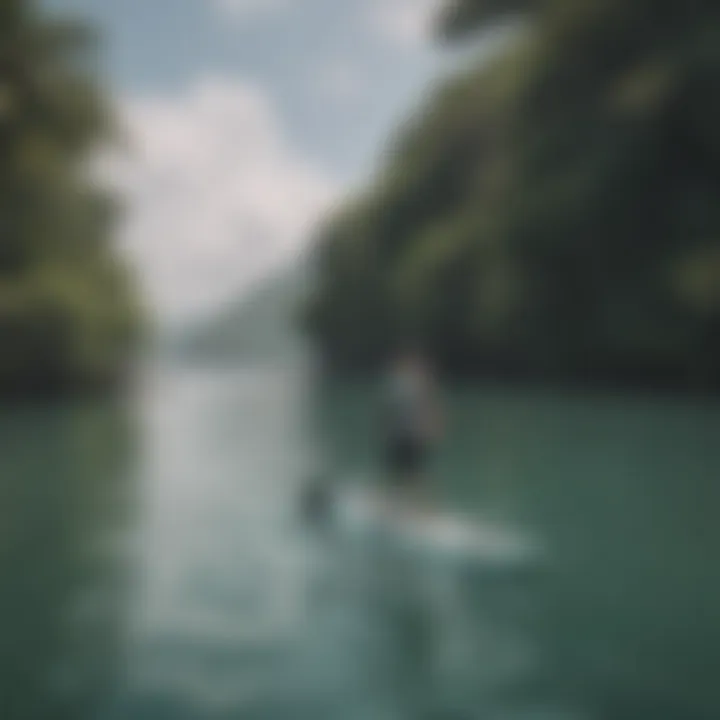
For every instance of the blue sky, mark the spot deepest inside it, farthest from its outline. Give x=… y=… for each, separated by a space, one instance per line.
x=248 y=119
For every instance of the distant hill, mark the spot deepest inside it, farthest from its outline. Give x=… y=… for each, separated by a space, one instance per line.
x=257 y=328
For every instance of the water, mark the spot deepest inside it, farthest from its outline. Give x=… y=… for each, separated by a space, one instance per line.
x=153 y=566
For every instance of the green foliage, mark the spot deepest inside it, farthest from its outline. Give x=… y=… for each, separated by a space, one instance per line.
x=554 y=212
x=67 y=313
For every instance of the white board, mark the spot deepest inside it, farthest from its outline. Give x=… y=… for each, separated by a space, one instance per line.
x=437 y=533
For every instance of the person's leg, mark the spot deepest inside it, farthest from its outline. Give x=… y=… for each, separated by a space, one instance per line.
x=407 y=480
x=416 y=491
x=393 y=477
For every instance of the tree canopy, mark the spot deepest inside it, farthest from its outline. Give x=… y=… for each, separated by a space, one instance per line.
x=553 y=211
x=67 y=310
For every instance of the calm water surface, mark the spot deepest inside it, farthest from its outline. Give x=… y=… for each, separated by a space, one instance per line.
x=153 y=567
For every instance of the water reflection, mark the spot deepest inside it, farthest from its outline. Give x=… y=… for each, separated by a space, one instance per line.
x=623 y=493
x=66 y=497
x=444 y=635
x=234 y=609
x=628 y=504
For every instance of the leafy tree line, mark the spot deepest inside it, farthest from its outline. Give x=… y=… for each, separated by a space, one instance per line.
x=553 y=212
x=67 y=308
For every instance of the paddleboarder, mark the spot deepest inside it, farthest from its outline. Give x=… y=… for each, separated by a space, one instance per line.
x=411 y=424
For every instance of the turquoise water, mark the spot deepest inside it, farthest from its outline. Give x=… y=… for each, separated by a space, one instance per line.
x=153 y=565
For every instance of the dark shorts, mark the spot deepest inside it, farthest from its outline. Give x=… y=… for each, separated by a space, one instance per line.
x=405 y=457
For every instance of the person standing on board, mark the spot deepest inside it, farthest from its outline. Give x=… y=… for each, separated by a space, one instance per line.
x=412 y=426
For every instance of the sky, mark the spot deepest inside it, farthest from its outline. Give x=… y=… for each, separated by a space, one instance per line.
x=245 y=122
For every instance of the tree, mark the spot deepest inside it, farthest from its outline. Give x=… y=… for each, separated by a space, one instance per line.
x=67 y=311
x=554 y=211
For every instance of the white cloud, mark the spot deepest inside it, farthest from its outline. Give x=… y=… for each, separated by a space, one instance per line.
x=406 y=23
x=215 y=196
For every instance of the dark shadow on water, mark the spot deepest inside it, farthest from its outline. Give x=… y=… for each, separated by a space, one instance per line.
x=65 y=499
